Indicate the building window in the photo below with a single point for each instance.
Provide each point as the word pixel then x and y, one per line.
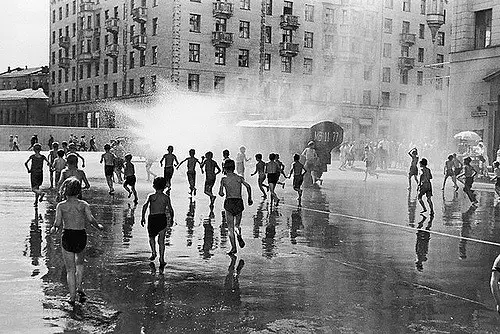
pixel 269 7
pixel 309 13
pixel 402 100
pixel 194 82
pixel 483 29
pixel 220 56
pixel 96 69
pixel 420 57
pixel 245 4
pixel 347 95
pixel 387 50
pixel 268 31
pixel 367 73
pixel 59 97
pixel 406 5
pixel 74 7
pixel 194 22
pixel 423 4
pixel 267 61
pixel 308 66
pixel 73 73
pixel 89 70
pixel 131 60
pixel 60 13
pixel 307 93
pixel 115 89
pixel 388 26
pixel 89 93
pixel 73 95
pixel 220 24
pixel 440 60
pixel 131 86
pixel 115 65
pixel 405 51
pixel 106 66
pixel 153 83
pixel 405 27
pixel 59 76
pixel 53 16
pixel 96 92
pixel 288 8
pixel 439 83
pixel 142 58
pixel 142 85
pixel 403 77
pixel 367 97
pixel 244 29
pixel 421 31
pixel 243 58
pixel 389 4
pixel 155 26
pixel 440 38
pixel 53 77
pixel 308 39
pixel 155 3
pixel 420 78
pixel 124 88
pixel 286 64
pixel 386 74
pixel 219 84
pixel 105 91
pixel 154 55
pixel 81 72
pixel 194 52
pixel 418 101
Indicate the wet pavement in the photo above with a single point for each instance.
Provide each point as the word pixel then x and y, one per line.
pixel 356 258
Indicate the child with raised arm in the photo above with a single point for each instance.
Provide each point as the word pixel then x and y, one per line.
pixel 449 172
pixel 413 166
pixel 298 176
pixel 425 187
pixel 191 171
pixel 130 179
pixel 36 172
pixel 233 205
pixel 58 166
pixel 73 214
pixel 52 158
pixel 260 168
pixel 211 170
pixel 72 170
pixel 469 173
pixel 160 217
pixel 109 166
pixel 169 159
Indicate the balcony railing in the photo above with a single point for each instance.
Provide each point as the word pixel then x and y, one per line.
pixel 406 63
pixel 64 62
pixel 407 39
pixel 112 25
pixel 139 42
pixel 64 42
pixel 140 14
pixel 85 57
pixel 289 22
pixel 289 49
pixel 87 7
pixel 222 38
pixel 112 50
pixel 223 10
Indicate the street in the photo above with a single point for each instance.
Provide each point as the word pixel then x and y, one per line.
pixel 356 258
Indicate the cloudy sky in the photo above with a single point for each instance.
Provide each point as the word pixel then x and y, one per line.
pixel 24 33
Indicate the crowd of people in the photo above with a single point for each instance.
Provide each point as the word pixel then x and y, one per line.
pixel 79 143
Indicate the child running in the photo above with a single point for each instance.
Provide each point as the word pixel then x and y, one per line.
pixel 168 171
pixel 469 173
pixel 211 170
pixel 273 174
pixel 130 179
pixel 449 172
pixel 72 214
pixel 413 166
pixel 160 218
pixel 260 168
pixel 233 205
pixel 72 171
pixel 109 166
pixel 36 172
pixel 425 187
pixel 241 159
pixel 282 171
pixel 298 176
pixel 52 158
pixel 58 165
pixel 72 150
pixel 369 159
pixel 225 156
pixel 496 178
pixel 191 170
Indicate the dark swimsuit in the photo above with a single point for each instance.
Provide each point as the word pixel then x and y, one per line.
pixel 297 181
pixel 156 224
pixel 168 172
pixel 234 206
pixel 74 241
pixel 273 177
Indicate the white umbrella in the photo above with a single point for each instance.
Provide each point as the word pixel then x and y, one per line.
pixel 467 136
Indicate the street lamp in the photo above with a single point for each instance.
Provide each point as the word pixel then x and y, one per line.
pixel 435 16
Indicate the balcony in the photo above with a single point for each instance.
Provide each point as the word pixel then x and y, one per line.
pixel 112 25
pixel 289 22
pixel 407 39
pixel 87 33
pixel 406 63
pixel 64 42
pixel 289 49
pixel 112 50
pixel 139 42
pixel 140 14
pixel 222 10
pixel 222 38
pixel 87 7
pixel 85 57
pixel 64 62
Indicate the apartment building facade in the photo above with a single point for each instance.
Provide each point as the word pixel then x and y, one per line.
pixel 268 59
pixel 475 69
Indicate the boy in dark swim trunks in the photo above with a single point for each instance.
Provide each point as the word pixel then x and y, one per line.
pixel 36 172
pixel 273 171
pixel 72 170
pixel 130 179
pixel 211 170
pixel 72 214
pixel 233 205
pixel 169 159
pixel 449 172
pixel 52 158
pixel 425 187
pixel 298 176
pixel 469 173
pixel 260 168
pixel 413 166
pixel 160 218
pixel 109 166
pixel 191 171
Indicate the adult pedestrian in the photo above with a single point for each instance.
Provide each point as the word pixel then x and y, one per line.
pixel 11 142
pixel 311 157
pixel 33 141
pixel 50 142
pixel 92 145
pixel 15 143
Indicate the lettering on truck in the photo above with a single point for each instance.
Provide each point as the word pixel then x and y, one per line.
pixel 325 136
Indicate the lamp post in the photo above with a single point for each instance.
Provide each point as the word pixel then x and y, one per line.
pixel 435 16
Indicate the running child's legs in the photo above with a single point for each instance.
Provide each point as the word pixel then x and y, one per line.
pixel 262 185
pixel 230 227
pixel 109 180
pixel 79 261
pixel 272 186
pixel 51 175
pixel 444 181
pixel 431 205
pixel 125 186
pixel 152 244
pixel 424 209
pixel 161 245
pixel 70 264
pixel 134 192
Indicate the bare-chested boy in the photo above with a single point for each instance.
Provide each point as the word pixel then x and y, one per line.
pixel 260 169
pixel 169 159
pixel 109 166
pixel 72 170
pixel 298 176
pixel 191 171
pixel 211 170
pixel 36 172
